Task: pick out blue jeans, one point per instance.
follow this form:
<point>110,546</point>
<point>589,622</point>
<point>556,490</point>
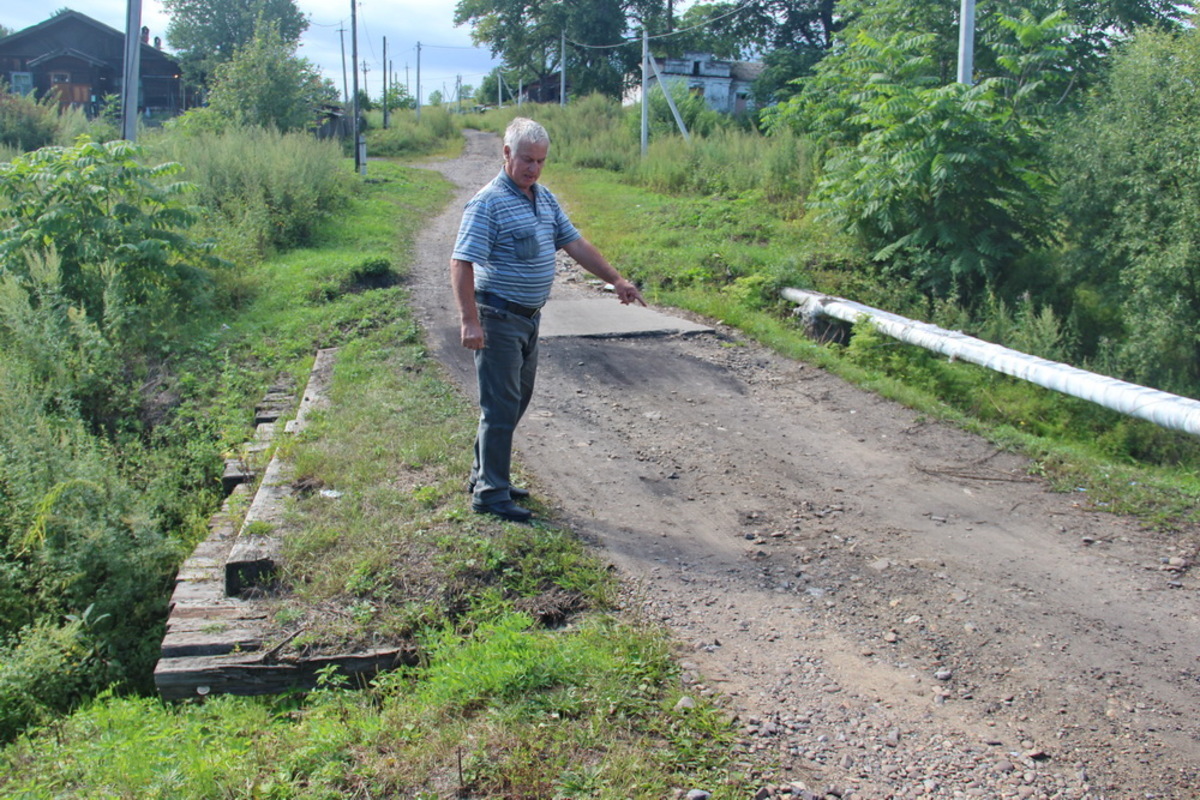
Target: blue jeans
<point>505,369</point>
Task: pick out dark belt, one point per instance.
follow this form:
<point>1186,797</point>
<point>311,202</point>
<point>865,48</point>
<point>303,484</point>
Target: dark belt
<point>497,302</point>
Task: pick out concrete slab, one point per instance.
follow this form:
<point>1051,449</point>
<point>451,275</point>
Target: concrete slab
<point>605,317</point>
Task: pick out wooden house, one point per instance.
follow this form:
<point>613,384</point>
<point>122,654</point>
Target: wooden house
<point>81,60</point>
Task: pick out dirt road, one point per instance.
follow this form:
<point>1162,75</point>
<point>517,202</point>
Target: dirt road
<point>893,608</point>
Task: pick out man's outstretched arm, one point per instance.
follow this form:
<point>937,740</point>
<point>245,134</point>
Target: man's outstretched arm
<point>594,262</point>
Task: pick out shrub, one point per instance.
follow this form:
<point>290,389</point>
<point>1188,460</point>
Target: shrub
<point>116,227</point>
<point>1132,199</point>
<point>42,672</point>
<point>26,123</point>
<point>946,184</point>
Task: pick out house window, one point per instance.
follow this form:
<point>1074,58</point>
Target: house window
<point>695,67</point>
<point>60,77</point>
<point>21,82</point>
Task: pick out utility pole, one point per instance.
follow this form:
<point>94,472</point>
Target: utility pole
<point>562,70</point>
<point>646,90</point>
<point>365,70</point>
<point>385,84</point>
<point>418,81</point>
<point>132,70</point>
<point>360,162</point>
<point>966,43</point>
<point>345,88</point>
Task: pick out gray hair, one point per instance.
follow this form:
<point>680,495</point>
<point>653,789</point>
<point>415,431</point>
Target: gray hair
<point>524,131</point>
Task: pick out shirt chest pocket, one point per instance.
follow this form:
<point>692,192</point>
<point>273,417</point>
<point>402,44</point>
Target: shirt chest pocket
<point>525,243</point>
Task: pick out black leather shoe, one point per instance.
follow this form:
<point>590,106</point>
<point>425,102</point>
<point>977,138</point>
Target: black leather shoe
<point>505,509</point>
<point>515,492</point>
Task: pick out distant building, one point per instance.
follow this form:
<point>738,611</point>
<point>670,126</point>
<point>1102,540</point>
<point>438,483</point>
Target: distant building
<point>80,60</point>
<point>725,85</point>
<point>546,90</point>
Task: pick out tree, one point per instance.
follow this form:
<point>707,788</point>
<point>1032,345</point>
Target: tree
<point>1132,201</point>
<point>1097,26</point>
<point>781,69</point>
<point>527,35</point>
<point>267,84</point>
<point>206,33</point>
<point>715,28</point>
<point>398,97</point>
<point>490,90</point>
<point>945,184</point>
<point>766,25</point>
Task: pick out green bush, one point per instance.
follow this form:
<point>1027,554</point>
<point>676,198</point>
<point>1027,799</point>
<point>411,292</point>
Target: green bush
<point>406,137</point>
<point>945,184</point>
<point>74,535</point>
<point>1132,200</point>
<point>116,226</point>
<point>266,84</point>
<point>44,669</point>
<point>26,123</point>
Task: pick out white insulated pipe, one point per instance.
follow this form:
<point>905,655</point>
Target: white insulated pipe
<point>1162,408</point>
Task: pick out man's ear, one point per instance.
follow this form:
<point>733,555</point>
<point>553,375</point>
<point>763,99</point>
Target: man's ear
<point>507,152</point>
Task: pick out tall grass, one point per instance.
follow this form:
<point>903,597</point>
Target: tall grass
<point>722,158</point>
<point>406,137</point>
<point>262,190</point>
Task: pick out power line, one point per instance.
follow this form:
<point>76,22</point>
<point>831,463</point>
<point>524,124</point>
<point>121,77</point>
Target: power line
<point>740,8</point>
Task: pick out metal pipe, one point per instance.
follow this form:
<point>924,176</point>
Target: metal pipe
<point>1162,408</point>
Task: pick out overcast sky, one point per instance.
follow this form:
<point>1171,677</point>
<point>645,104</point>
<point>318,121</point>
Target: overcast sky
<point>446,51</point>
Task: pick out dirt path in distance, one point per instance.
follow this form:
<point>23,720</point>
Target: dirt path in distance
<point>893,608</point>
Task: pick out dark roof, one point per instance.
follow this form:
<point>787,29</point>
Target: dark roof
<point>67,14</point>
<point>57,18</point>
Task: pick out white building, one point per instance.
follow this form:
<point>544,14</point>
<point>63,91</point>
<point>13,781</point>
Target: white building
<point>725,85</point>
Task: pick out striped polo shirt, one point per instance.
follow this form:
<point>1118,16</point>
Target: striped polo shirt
<point>512,240</point>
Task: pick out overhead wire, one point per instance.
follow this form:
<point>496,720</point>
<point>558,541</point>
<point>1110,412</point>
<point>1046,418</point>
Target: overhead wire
<point>740,8</point>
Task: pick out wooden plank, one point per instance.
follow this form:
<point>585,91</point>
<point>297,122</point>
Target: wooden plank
<point>247,674</point>
<point>235,609</point>
<point>184,644</point>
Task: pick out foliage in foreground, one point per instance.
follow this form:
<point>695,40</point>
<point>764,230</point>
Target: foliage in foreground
<point>506,711</point>
<point>499,704</point>
<point>121,383</point>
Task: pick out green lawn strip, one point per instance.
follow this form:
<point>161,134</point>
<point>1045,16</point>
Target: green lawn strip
<point>530,682</point>
<point>728,259</point>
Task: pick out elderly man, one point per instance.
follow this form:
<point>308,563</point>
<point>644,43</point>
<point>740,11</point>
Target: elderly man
<point>501,271</point>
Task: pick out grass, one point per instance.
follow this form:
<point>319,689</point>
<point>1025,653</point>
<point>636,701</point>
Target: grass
<point>530,681</point>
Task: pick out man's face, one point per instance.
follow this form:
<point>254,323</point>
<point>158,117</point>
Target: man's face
<point>525,165</point>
